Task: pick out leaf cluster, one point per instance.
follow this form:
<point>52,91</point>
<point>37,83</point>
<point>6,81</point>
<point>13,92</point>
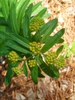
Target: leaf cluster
<point>15,35</point>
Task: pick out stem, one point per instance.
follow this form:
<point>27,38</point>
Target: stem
<point>21,59</point>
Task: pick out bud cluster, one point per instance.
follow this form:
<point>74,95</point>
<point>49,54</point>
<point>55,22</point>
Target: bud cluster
<point>16,70</point>
<point>32,63</point>
<point>13,56</point>
<point>35,47</point>
<point>60,62</point>
<point>36,23</point>
<point>51,57</point>
<point>39,20</point>
<point>34,27</point>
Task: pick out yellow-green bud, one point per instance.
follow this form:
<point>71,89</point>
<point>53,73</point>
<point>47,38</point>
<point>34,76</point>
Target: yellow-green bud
<point>37,22</point>
<point>34,27</point>
<point>13,56</point>
<point>60,62</point>
<point>35,47</point>
<point>51,57</point>
<point>16,70</point>
<point>32,63</point>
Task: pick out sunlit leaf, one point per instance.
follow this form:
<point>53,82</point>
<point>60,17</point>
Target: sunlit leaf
<point>46,15</point>
<point>36,6</point>
<point>21,11</point>
<point>5,8</point>
<point>29,10</point>
<point>42,12</point>
<point>13,19</point>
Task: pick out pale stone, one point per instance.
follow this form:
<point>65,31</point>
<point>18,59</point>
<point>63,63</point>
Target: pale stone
<point>20,97</point>
<point>30,92</point>
<point>73,87</point>
<point>67,1</point>
<point>72,97</point>
<point>64,87</point>
<point>39,96</point>
<point>60,18</point>
<point>30,99</point>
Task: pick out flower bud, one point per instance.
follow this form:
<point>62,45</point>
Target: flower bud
<point>16,70</point>
<point>13,56</point>
<point>32,63</point>
<point>35,47</point>
<point>60,62</point>
<point>51,57</point>
<point>37,22</point>
<point>34,27</point>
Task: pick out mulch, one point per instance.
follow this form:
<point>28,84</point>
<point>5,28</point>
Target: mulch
<point>64,11</point>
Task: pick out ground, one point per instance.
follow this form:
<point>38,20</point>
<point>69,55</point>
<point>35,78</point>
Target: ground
<point>48,88</point>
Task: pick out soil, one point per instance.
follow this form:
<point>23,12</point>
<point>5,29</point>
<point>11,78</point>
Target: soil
<point>47,88</point>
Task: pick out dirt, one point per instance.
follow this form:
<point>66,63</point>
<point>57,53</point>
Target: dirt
<point>48,88</point>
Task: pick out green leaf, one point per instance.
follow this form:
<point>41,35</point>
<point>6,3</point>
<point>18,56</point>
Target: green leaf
<point>26,26</point>
<point>60,41</point>
<point>25,69</point>
<point>29,10</point>
<point>53,40</point>
<point>4,35</point>
<point>36,11</point>
<point>5,8</point>
<point>42,12</point>
<point>3,49</point>
<point>72,49</point>
<point>66,46</point>
<point>19,5</point>
<point>12,1</point>
<point>31,1</point>
<point>22,38</point>
<point>17,47</point>
<point>46,29</point>
<point>2,21</point>
<point>9,73</point>
<point>36,6</point>
<point>19,41</point>
<point>73,45</point>
<point>5,29</point>
<point>21,11</point>
<point>59,50</point>
<point>34,74</point>
<point>13,19</point>
<point>49,29</point>
<point>50,70</point>
<point>46,15</point>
